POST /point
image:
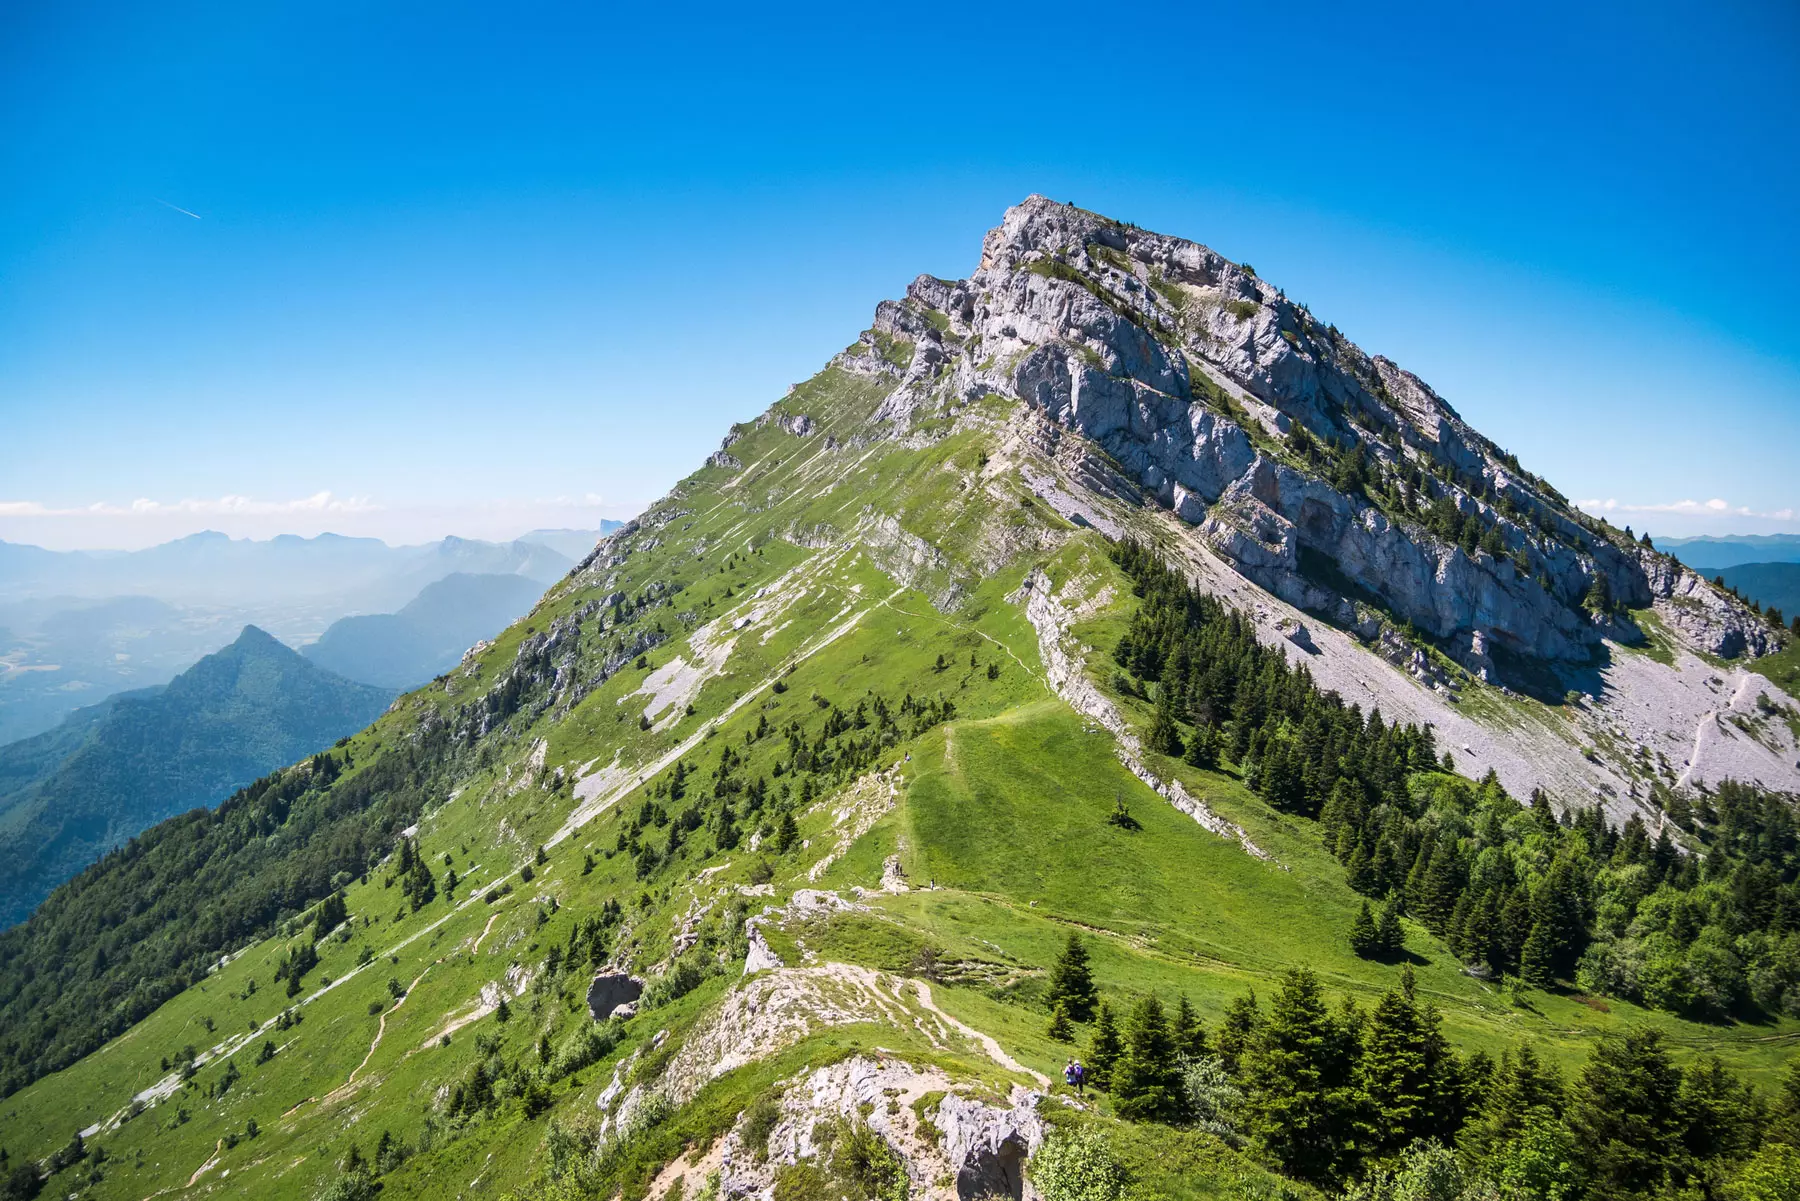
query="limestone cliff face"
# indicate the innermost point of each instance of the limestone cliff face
(1237, 410)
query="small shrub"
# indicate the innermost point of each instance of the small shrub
(760, 1121)
(1078, 1165)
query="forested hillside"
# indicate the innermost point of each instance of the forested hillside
(75, 792)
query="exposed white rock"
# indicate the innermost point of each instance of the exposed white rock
(954, 1148)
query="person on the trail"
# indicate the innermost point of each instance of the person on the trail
(1080, 1078)
(1069, 1073)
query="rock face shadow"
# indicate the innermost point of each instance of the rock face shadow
(612, 991)
(994, 1171)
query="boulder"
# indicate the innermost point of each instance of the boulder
(613, 992)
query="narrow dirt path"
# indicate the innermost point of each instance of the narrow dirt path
(203, 1169)
(344, 1089)
(1033, 672)
(992, 1048)
(485, 931)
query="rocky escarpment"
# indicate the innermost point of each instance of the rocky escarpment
(1326, 475)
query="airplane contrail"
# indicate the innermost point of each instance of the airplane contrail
(176, 207)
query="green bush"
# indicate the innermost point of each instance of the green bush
(760, 1121)
(1078, 1165)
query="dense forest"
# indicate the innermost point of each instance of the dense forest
(1515, 891)
(1378, 1103)
(153, 917)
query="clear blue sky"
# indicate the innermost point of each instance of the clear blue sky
(477, 268)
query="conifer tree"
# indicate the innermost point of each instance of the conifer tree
(1298, 1080)
(1624, 1112)
(1165, 736)
(1363, 937)
(727, 835)
(1538, 955)
(1721, 1114)
(1146, 1083)
(1390, 936)
(1361, 874)
(1072, 981)
(1237, 1030)
(1105, 1050)
(1061, 1028)
(787, 834)
(1203, 748)
(1408, 1073)
(332, 914)
(1187, 1031)
(1523, 1089)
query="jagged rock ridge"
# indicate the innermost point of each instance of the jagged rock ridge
(1311, 466)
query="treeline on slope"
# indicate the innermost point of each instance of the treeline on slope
(1378, 1102)
(733, 806)
(153, 917)
(1514, 891)
(1424, 492)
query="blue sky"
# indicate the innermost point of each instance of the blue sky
(475, 269)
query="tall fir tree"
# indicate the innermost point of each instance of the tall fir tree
(1390, 936)
(1537, 959)
(1237, 1031)
(1203, 748)
(1187, 1031)
(1146, 1083)
(1165, 735)
(1363, 938)
(1072, 980)
(1298, 1081)
(1408, 1073)
(1105, 1049)
(1625, 1114)
(1523, 1089)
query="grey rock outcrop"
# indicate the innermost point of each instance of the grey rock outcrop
(1707, 616)
(958, 1148)
(1326, 475)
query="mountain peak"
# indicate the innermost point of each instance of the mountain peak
(1330, 477)
(255, 638)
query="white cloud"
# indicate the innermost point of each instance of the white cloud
(1694, 508)
(144, 522)
(225, 506)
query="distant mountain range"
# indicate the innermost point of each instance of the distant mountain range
(78, 626)
(210, 568)
(429, 635)
(110, 770)
(1767, 584)
(1711, 554)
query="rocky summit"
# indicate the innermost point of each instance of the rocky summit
(1102, 657)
